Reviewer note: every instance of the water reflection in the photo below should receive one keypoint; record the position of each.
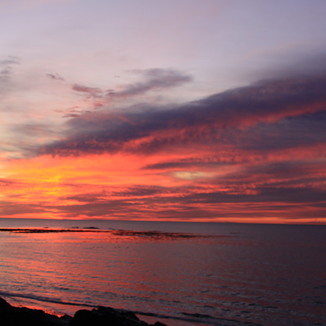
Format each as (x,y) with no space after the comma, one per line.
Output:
(237,275)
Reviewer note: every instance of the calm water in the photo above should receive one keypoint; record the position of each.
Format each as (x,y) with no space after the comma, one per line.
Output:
(226,274)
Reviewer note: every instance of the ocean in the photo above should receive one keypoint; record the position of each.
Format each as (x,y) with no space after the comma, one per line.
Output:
(178,273)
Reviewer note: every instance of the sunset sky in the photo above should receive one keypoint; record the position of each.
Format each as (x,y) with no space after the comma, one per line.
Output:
(188,110)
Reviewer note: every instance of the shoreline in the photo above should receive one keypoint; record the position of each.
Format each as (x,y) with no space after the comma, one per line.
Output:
(100,316)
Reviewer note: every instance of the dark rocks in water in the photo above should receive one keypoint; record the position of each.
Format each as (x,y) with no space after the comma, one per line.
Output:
(101,316)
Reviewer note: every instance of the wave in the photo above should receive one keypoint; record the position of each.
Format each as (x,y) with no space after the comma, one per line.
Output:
(44,299)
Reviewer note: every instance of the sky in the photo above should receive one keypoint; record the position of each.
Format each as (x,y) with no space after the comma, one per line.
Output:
(175,110)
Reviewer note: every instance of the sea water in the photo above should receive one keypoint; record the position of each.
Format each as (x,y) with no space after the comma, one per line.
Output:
(182,273)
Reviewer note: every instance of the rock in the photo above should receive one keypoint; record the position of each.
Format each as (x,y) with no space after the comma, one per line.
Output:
(101,316)
(10,315)
(4,304)
(105,316)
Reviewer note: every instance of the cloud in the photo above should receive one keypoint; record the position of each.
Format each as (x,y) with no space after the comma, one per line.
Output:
(5,182)
(307,65)
(7,63)
(90,91)
(140,191)
(55,77)
(6,70)
(86,197)
(271,107)
(263,195)
(94,98)
(154,79)
(195,162)
(14,208)
(185,203)
(108,208)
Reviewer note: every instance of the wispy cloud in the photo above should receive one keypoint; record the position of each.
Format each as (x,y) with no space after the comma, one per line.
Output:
(55,77)
(90,91)
(7,65)
(150,81)
(153,80)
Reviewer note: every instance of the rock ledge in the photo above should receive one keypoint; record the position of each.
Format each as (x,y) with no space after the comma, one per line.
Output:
(101,316)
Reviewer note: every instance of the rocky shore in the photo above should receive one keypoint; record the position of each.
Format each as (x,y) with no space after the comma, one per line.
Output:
(100,316)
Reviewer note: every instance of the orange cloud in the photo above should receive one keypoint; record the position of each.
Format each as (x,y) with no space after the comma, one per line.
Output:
(252,154)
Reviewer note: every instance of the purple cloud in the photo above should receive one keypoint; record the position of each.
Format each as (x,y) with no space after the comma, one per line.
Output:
(263,108)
